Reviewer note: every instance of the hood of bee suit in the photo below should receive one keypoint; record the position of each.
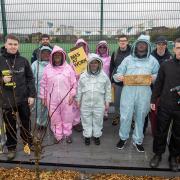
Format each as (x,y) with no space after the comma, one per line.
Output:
(145,39)
(60,50)
(91,58)
(102,43)
(85,43)
(44,48)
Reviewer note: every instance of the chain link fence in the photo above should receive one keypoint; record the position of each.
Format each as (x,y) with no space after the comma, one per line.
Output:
(93,20)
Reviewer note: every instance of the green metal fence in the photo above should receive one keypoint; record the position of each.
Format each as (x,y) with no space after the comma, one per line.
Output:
(93,20)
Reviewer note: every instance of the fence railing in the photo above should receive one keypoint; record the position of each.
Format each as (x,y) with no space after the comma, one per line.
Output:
(93,20)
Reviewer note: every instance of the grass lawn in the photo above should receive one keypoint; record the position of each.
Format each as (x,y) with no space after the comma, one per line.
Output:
(26,49)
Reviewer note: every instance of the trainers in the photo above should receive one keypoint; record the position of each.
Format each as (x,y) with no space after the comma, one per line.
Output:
(97,141)
(173,164)
(69,139)
(87,141)
(139,147)
(115,121)
(11,155)
(120,144)
(155,161)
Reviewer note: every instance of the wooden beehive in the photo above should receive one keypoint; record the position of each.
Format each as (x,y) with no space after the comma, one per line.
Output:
(137,80)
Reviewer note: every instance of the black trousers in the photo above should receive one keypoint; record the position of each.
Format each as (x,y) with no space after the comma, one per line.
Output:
(165,116)
(25,125)
(145,124)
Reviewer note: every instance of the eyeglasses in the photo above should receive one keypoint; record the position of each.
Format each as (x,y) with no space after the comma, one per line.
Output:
(102,47)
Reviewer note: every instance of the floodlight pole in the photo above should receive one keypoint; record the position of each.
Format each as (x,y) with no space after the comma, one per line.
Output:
(101,20)
(4,23)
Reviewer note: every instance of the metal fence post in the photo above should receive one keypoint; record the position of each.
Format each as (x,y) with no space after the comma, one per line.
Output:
(4,23)
(101,21)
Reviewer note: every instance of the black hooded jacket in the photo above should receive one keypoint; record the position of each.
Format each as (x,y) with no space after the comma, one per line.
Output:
(168,78)
(167,56)
(21,74)
(1,50)
(116,59)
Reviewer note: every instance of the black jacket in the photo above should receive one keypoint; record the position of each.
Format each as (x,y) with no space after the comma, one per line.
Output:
(116,59)
(0,90)
(36,52)
(168,77)
(167,56)
(21,74)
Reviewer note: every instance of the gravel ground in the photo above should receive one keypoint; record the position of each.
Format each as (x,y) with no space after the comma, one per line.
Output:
(26,174)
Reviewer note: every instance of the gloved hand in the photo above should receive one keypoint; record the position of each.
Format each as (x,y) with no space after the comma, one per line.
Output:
(120,78)
(153,78)
(30,101)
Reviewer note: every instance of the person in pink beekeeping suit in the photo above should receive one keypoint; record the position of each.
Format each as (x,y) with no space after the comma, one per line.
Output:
(102,50)
(57,91)
(77,126)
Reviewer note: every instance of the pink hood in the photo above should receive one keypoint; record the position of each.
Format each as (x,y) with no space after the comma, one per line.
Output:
(53,76)
(84,42)
(58,49)
(104,43)
(56,69)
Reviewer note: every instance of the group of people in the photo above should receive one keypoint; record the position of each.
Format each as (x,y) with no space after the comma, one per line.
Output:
(64,99)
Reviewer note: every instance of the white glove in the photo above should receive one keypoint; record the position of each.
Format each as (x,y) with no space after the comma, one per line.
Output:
(120,78)
(7,79)
(30,101)
(153,78)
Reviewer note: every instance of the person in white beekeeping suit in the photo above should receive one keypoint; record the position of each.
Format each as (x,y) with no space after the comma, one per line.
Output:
(93,97)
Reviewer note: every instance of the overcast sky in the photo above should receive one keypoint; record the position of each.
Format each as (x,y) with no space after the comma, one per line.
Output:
(32,15)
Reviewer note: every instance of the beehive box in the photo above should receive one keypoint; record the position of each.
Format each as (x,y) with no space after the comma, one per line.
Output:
(137,80)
